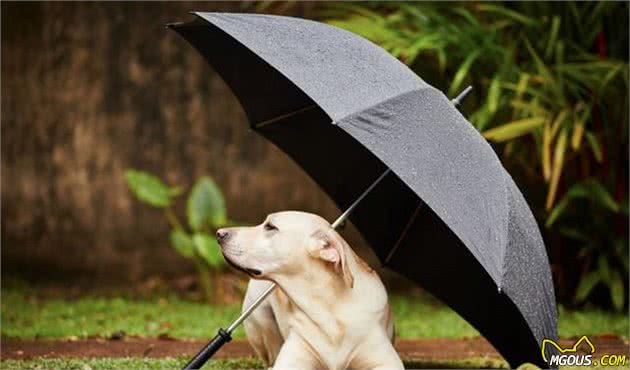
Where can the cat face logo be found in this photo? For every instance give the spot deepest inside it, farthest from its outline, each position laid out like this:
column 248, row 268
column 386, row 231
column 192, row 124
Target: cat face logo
column 570, row 356
column 567, row 354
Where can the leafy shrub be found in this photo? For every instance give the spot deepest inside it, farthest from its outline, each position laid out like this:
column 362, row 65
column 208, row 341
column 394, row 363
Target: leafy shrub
column 205, row 214
column 551, row 93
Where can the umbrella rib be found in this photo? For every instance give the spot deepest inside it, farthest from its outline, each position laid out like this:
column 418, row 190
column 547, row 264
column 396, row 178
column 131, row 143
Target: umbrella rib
column 283, row 116
column 457, row 101
column 404, row 232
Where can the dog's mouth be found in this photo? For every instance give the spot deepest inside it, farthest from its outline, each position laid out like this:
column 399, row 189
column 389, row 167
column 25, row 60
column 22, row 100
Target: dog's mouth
column 248, row 270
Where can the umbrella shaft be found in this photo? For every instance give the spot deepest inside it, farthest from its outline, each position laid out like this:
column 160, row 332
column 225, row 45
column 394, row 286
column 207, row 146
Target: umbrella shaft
column 250, row 309
column 341, row 219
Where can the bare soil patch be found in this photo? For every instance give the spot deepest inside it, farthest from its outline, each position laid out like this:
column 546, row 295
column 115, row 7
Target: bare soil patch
column 409, row 349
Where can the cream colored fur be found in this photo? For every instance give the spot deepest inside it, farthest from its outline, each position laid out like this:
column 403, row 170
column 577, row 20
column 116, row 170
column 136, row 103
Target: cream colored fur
column 330, row 310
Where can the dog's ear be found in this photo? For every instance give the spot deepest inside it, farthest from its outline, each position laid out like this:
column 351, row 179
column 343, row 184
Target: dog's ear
column 331, row 248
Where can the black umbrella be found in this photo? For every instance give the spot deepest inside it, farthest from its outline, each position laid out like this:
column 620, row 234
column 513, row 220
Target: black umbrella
column 448, row 217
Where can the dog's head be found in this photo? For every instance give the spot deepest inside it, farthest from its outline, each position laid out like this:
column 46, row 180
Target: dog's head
column 286, row 243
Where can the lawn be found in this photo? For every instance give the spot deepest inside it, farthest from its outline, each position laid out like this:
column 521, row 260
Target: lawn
column 29, row 315
column 25, row 315
column 238, row 363
column 226, row 364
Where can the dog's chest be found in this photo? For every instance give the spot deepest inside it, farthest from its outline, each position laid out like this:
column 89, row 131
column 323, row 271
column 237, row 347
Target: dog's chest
column 330, row 336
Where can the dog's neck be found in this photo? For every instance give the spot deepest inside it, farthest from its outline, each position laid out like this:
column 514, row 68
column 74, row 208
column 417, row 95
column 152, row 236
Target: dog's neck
column 327, row 292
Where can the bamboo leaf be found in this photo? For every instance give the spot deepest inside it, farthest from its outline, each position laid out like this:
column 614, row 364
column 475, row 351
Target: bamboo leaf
column 356, row 9
column 531, row 107
column 558, row 163
column 578, row 127
column 592, row 20
column 506, row 12
column 546, row 152
column 540, row 65
column 553, row 36
column 544, row 71
column 522, row 84
column 575, row 234
column 595, row 147
column 578, row 132
column 557, row 123
column 559, row 53
column 494, row 94
column 513, row 129
column 610, row 75
column 594, row 190
column 577, row 18
column 586, row 285
column 481, row 118
column 534, row 92
column 462, row 72
column 441, row 55
column 467, row 15
column 617, row 292
column 603, row 268
column 556, row 212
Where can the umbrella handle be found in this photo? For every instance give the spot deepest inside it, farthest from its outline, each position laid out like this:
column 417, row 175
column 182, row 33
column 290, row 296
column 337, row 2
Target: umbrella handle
column 225, row 335
column 209, row 350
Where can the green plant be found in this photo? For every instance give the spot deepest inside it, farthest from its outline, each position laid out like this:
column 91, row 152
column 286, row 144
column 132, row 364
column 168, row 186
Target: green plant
column 552, row 94
column 205, row 213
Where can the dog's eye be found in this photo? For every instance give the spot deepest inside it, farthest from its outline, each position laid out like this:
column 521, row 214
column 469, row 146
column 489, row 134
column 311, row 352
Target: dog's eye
column 270, row 227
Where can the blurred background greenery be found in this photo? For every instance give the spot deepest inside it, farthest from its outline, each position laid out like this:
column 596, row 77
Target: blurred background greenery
column 551, row 82
column 101, row 110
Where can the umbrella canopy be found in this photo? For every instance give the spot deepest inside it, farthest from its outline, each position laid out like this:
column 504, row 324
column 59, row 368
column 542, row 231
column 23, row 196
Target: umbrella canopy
column 449, row 217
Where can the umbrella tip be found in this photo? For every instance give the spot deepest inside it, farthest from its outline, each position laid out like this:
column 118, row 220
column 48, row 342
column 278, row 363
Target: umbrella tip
column 458, row 100
column 499, row 290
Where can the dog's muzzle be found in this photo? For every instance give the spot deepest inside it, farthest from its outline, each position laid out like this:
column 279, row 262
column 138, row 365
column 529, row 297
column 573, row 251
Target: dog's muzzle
column 248, row 270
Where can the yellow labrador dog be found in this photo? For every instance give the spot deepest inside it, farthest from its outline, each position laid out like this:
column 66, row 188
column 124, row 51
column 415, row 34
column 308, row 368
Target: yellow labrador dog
column 331, row 311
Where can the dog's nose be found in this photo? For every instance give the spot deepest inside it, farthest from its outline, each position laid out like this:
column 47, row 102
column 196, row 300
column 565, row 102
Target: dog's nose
column 222, row 234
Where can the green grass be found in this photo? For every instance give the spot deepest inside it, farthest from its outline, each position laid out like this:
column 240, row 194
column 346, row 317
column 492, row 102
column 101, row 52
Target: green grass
column 424, row 317
column 592, row 321
column 126, row 363
column 26, row 316
column 235, row 363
